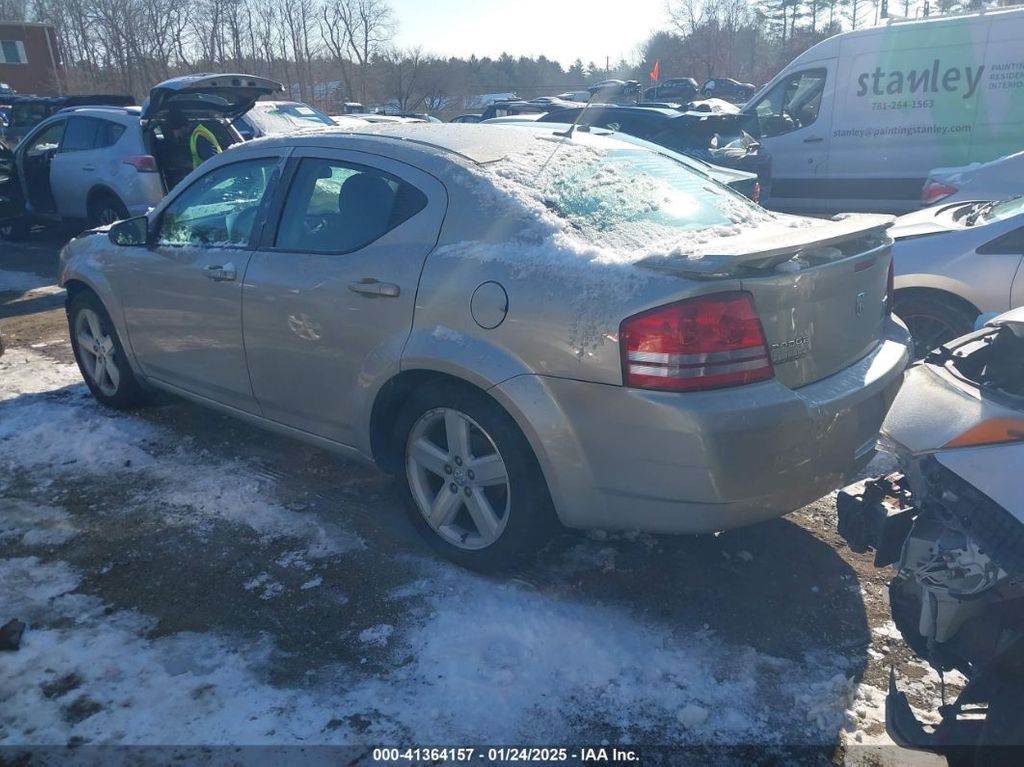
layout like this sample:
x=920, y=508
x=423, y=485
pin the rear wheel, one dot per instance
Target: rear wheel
x=100, y=355
x=470, y=479
x=105, y=210
x=933, y=320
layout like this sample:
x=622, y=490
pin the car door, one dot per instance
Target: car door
x=12, y=202
x=34, y=157
x=329, y=296
x=792, y=119
x=182, y=293
x=73, y=168
x=1007, y=249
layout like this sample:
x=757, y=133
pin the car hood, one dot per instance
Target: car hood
x=934, y=220
x=208, y=95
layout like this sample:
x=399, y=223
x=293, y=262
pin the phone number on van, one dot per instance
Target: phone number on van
x=904, y=104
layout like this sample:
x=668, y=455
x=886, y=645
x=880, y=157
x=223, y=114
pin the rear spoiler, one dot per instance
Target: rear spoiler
x=744, y=253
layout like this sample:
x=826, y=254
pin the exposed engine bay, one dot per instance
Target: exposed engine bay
x=952, y=524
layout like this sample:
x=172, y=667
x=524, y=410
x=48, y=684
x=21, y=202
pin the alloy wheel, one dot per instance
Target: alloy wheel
x=108, y=216
x=458, y=478
x=97, y=353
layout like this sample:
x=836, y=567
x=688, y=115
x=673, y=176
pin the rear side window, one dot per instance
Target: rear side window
x=338, y=207
x=80, y=134
x=108, y=133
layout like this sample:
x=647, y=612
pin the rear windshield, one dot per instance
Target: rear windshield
x=286, y=118
x=629, y=192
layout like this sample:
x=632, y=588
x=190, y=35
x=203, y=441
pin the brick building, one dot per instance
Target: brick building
x=30, y=59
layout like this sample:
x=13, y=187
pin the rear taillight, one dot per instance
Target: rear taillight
x=756, y=194
x=890, y=287
x=700, y=343
x=933, y=191
x=143, y=163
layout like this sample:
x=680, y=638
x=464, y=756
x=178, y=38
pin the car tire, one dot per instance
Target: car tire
x=933, y=320
x=100, y=355
x=446, y=438
x=15, y=231
x=106, y=209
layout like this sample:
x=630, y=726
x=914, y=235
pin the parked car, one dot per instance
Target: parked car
x=951, y=521
x=520, y=107
x=955, y=261
x=728, y=89
x=95, y=165
x=719, y=139
x=29, y=111
x=995, y=180
x=675, y=89
x=467, y=118
x=274, y=118
x=472, y=342
x=737, y=180
x=857, y=121
x=580, y=95
x=615, y=92
x=374, y=117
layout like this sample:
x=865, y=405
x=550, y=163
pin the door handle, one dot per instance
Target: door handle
x=225, y=273
x=815, y=140
x=88, y=167
x=372, y=287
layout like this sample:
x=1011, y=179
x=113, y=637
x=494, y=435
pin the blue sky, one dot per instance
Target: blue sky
x=559, y=29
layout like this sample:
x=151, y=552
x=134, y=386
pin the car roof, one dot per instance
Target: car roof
x=99, y=110
x=479, y=144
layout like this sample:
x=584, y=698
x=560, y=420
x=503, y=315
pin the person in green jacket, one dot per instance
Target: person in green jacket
x=202, y=143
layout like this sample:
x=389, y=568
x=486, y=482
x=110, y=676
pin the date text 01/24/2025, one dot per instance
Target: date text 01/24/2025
x=504, y=754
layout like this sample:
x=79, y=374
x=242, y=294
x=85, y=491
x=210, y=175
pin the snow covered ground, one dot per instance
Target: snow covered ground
x=189, y=581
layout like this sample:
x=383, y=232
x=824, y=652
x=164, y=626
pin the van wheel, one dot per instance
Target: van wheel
x=15, y=231
x=933, y=320
x=105, y=210
x=470, y=480
x=100, y=355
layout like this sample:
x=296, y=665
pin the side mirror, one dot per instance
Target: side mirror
x=132, y=232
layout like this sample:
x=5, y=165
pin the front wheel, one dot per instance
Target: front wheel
x=470, y=479
x=933, y=320
x=100, y=355
x=15, y=230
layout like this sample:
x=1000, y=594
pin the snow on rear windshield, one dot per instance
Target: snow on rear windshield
x=631, y=188
x=625, y=200
x=286, y=119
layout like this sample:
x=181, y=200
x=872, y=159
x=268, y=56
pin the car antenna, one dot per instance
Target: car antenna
x=572, y=128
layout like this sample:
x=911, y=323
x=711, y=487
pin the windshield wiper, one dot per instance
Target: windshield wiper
x=980, y=211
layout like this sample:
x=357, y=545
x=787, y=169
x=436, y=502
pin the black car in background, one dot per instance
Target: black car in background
x=29, y=111
x=728, y=89
x=676, y=89
x=724, y=139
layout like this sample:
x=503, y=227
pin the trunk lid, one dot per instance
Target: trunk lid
x=820, y=290
x=208, y=95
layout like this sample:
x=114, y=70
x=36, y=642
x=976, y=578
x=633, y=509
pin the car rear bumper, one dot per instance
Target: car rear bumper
x=621, y=458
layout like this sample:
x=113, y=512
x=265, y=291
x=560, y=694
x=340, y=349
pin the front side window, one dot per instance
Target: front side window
x=793, y=103
x=220, y=208
x=47, y=140
x=338, y=207
x=80, y=134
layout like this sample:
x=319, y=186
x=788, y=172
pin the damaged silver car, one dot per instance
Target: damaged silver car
x=952, y=522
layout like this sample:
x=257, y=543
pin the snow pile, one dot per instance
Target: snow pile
x=23, y=282
x=67, y=434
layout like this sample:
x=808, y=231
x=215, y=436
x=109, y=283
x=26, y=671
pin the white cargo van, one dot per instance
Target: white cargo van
x=856, y=122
